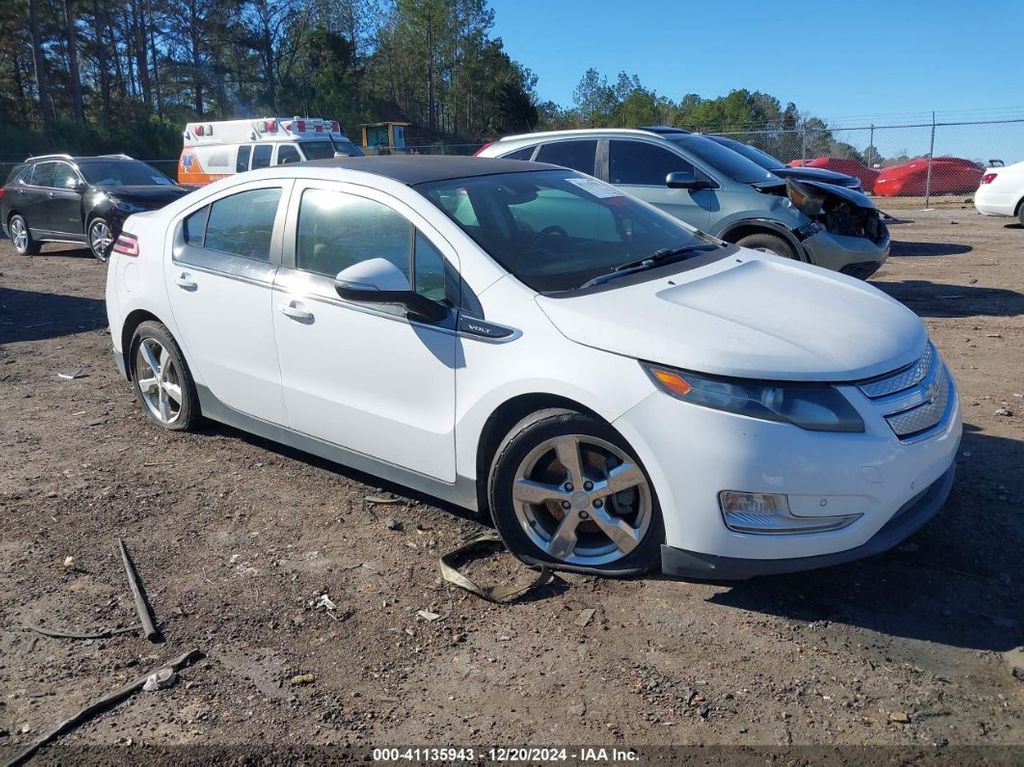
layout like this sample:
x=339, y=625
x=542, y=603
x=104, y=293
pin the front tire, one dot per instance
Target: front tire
x=21, y=236
x=768, y=243
x=566, y=491
x=101, y=238
x=161, y=378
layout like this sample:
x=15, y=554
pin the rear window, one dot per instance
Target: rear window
x=578, y=155
x=317, y=150
x=16, y=174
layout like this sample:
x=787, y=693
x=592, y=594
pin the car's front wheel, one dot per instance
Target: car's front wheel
x=767, y=243
x=565, y=490
x=21, y=236
x=161, y=378
x=101, y=238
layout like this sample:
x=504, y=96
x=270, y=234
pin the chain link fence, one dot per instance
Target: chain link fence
x=924, y=164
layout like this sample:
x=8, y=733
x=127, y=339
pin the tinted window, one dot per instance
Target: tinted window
x=43, y=173
x=111, y=172
x=242, y=161
x=721, y=158
x=555, y=229
x=642, y=164
x=64, y=176
x=578, y=155
x=316, y=150
x=261, y=156
x=243, y=223
x=337, y=230
x=526, y=154
x=18, y=174
x=286, y=153
x=194, y=227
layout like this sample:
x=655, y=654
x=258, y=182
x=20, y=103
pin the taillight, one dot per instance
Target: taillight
x=478, y=151
x=988, y=178
x=1, y=192
x=127, y=245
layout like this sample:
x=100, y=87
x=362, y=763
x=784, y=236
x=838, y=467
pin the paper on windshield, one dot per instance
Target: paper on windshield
x=597, y=188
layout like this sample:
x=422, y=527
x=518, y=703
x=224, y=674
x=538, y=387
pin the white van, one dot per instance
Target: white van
x=213, y=150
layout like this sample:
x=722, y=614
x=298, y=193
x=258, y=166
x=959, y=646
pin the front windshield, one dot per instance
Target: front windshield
x=723, y=159
x=317, y=150
x=555, y=230
x=752, y=153
x=103, y=172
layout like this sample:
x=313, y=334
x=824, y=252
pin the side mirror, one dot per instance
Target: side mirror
x=684, y=180
x=378, y=281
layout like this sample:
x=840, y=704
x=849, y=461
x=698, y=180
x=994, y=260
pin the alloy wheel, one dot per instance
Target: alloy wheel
x=582, y=500
x=100, y=239
x=159, y=381
x=19, y=234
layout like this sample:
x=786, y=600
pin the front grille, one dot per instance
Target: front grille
x=914, y=400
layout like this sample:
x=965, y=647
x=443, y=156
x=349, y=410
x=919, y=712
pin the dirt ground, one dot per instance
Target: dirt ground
x=235, y=537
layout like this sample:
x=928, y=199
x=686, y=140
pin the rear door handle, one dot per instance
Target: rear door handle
x=294, y=310
x=185, y=281
x=50, y=195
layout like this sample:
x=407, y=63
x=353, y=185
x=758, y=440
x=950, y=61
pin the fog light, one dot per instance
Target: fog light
x=769, y=513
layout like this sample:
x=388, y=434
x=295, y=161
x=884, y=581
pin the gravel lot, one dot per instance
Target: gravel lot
x=234, y=536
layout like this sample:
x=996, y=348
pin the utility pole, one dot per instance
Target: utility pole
x=928, y=180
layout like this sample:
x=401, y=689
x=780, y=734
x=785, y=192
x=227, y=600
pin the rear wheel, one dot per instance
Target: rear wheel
x=566, y=491
x=767, y=243
x=161, y=378
x=101, y=237
x=21, y=236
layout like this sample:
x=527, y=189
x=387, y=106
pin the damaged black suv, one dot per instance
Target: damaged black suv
x=59, y=198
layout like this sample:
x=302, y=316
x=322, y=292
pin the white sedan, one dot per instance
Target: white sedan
x=1001, y=192
x=615, y=389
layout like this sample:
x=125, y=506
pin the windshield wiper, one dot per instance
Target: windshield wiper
x=658, y=257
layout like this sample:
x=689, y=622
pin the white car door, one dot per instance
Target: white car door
x=366, y=377
x=224, y=257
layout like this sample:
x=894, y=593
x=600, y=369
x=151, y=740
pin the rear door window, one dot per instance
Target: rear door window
x=520, y=154
x=43, y=174
x=242, y=160
x=243, y=223
x=578, y=155
x=637, y=163
x=261, y=156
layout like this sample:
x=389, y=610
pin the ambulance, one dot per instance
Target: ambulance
x=213, y=150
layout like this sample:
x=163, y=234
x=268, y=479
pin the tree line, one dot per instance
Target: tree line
x=126, y=75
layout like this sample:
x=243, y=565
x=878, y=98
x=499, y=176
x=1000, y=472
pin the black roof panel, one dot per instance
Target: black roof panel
x=421, y=169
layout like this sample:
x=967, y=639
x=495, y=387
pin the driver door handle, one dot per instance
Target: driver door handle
x=294, y=310
x=185, y=281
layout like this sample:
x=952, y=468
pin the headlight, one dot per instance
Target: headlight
x=816, y=407
x=127, y=207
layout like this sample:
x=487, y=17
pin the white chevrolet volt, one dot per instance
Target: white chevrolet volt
x=616, y=389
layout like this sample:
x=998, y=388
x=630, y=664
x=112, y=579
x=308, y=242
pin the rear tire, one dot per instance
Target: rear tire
x=21, y=236
x=566, y=491
x=161, y=378
x=768, y=243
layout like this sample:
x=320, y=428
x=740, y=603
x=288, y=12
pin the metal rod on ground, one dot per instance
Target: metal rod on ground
x=102, y=704
x=928, y=180
x=141, y=604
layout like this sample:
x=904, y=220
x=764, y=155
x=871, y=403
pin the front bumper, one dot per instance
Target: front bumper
x=857, y=256
x=911, y=517
x=692, y=454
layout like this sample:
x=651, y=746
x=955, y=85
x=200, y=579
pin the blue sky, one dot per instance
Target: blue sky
x=871, y=62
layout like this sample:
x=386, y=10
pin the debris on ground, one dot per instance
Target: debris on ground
x=104, y=703
x=303, y=679
x=70, y=376
x=160, y=680
x=899, y=717
x=392, y=524
x=584, y=618
x=142, y=605
x=69, y=563
x=428, y=616
x=500, y=594
x=380, y=499
x=103, y=633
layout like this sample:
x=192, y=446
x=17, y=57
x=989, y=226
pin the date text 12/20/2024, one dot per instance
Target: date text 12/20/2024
x=525, y=754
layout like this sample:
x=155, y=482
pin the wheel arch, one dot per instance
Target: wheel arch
x=131, y=324
x=740, y=229
x=501, y=421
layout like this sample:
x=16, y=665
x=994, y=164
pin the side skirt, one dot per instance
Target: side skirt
x=462, y=493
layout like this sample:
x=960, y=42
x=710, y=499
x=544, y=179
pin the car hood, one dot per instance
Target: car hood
x=817, y=174
x=751, y=315
x=780, y=188
x=146, y=196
